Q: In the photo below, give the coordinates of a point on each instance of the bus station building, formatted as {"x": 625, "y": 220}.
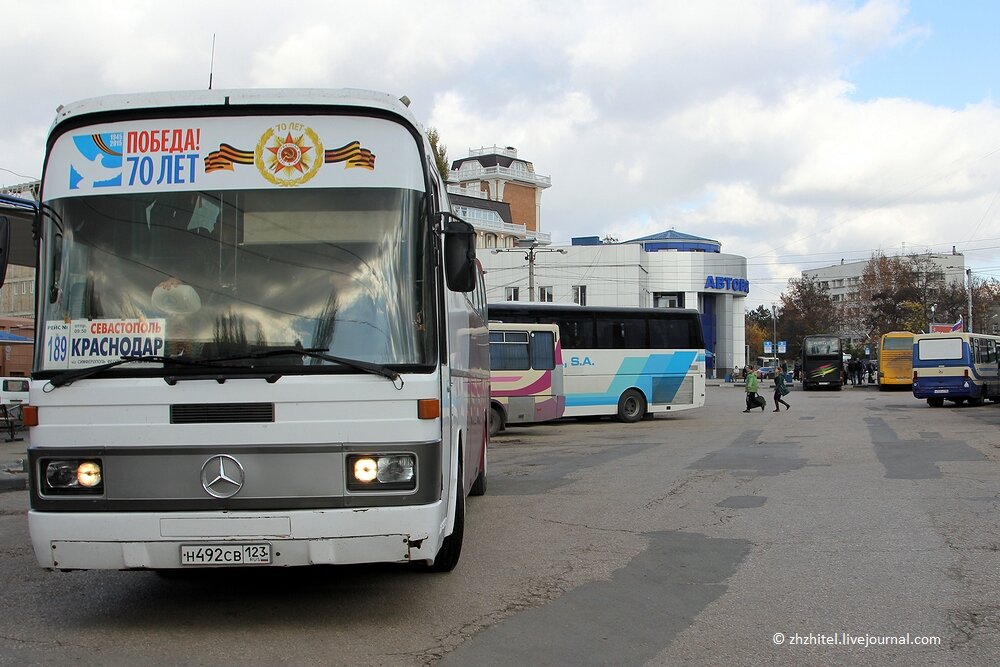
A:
{"x": 666, "y": 270}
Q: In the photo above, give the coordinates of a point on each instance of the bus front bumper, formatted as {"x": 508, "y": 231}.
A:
{"x": 71, "y": 541}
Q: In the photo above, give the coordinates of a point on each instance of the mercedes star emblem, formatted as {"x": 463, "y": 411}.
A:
{"x": 222, "y": 476}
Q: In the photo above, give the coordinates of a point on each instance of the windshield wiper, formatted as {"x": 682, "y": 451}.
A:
{"x": 315, "y": 353}
{"x": 69, "y": 377}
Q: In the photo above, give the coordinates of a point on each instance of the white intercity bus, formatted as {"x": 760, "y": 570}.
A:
{"x": 630, "y": 363}
{"x": 261, "y": 336}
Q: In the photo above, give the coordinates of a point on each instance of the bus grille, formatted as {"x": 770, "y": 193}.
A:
{"x": 221, "y": 413}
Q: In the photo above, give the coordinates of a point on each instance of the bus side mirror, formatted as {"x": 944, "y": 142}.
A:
{"x": 460, "y": 268}
{"x": 4, "y": 246}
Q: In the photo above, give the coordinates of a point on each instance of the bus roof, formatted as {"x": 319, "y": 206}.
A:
{"x": 319, "y": 97}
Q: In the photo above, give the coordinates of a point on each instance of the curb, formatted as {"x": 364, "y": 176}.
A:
{"x": 13, "y": 481}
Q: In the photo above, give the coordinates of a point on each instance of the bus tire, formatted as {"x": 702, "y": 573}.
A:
{"x": 451, "y": 548}
{"x": 935, "y": 402}
{"x": 631, "y": 406}
{"x": 496, "y": 420}
{"x": 479, "y": 486}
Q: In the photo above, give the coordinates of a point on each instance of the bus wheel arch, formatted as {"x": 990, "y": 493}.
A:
{"x": 451, "y": 547}
{"x": 631, "y": 406}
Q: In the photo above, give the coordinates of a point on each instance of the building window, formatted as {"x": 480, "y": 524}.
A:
{"x": 545, "y": 294}
{"x": 668, "y": 300}
{"x": 580, "y": 294}
{"x": 511, "y": 293}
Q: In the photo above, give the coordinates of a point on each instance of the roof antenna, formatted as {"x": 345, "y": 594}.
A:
{"x": 211, "y": 67}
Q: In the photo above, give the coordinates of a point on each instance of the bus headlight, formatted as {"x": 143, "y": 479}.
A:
{"x": 67, "y": 476}
{"x": 382, "y": 472}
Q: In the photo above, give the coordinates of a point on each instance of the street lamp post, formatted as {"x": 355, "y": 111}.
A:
{"x": 774, "y": 335}
{"x": 530, "y": 247}
{"x": 968, "y": 273}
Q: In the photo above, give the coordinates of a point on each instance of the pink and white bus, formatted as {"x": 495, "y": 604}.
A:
{"x": 526, "y": 374}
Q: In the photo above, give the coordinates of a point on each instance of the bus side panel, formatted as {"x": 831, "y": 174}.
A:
{"x": 596, "y": 379}
{"x": 469, "y": 390}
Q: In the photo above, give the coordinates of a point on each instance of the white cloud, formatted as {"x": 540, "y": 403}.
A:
{"x": 734, "y": 120}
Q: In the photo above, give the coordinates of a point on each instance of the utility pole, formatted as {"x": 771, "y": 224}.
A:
{"x": 529, "y": 247}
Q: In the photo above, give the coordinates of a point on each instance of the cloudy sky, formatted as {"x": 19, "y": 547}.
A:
{"x": 796, "y": 133}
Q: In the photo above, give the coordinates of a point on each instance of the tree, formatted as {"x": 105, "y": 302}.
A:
{"x": 887, "y": 287}
{"x": 761, "y": 317}
{"x": 905, "y": 294}
{"x": 806, "y": 308}
{"x": 755, "y": 336}
{"x": 985, "y": 304}
{"x": 440, "y": 153}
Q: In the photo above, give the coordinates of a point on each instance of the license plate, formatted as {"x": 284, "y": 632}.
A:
{"x": 226, "y": 554}
{"x": 940, "y": 391}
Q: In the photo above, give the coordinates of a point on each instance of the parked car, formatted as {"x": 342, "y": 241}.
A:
{"x": 765, "y": 372}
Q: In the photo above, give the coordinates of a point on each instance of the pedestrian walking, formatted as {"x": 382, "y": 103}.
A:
{"x": 780, "y": 390}
{"x": 752, "y": 387}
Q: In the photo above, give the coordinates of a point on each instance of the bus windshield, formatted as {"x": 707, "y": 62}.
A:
{"x": 817, "y": 346}
{"x": 213, "y": 274}
{"x": 900, "y": 342}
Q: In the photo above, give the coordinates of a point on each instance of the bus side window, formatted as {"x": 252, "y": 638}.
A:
{"x": 669, "y": 334}
{"x": 622, "y": 334}
{"x": 509, "y": 351}
{"x": 577, "y": 333}
{"x": 543, "y": 353}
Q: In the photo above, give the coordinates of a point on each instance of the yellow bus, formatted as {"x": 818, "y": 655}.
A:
{"x": 895, "y": 360}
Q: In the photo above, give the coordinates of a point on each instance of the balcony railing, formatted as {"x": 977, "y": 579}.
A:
{"x": 471, "y": 191}
{"x": 494, "y": 150}
{"x": 489, "y": 221}
{"x": 462, "y": 175}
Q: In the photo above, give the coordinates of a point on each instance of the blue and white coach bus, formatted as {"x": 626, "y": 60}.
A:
{"x": 625, "y": 362}
{"x": 957, "y": 367}
{"x": 261, "y": 336}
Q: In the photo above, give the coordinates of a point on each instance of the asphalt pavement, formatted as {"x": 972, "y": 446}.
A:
{"x": 14, "y": 457}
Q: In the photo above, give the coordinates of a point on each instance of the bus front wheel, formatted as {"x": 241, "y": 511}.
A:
{"x": 479, "y": 486}
{"x": 631, "y": 406}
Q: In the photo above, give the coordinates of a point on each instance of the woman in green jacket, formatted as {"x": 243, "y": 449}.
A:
{"x": 753, "y": 385}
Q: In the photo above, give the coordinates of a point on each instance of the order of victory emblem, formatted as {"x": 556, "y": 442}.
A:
{"x": 289, "y": 154}
{"x": 289, "y": 159}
